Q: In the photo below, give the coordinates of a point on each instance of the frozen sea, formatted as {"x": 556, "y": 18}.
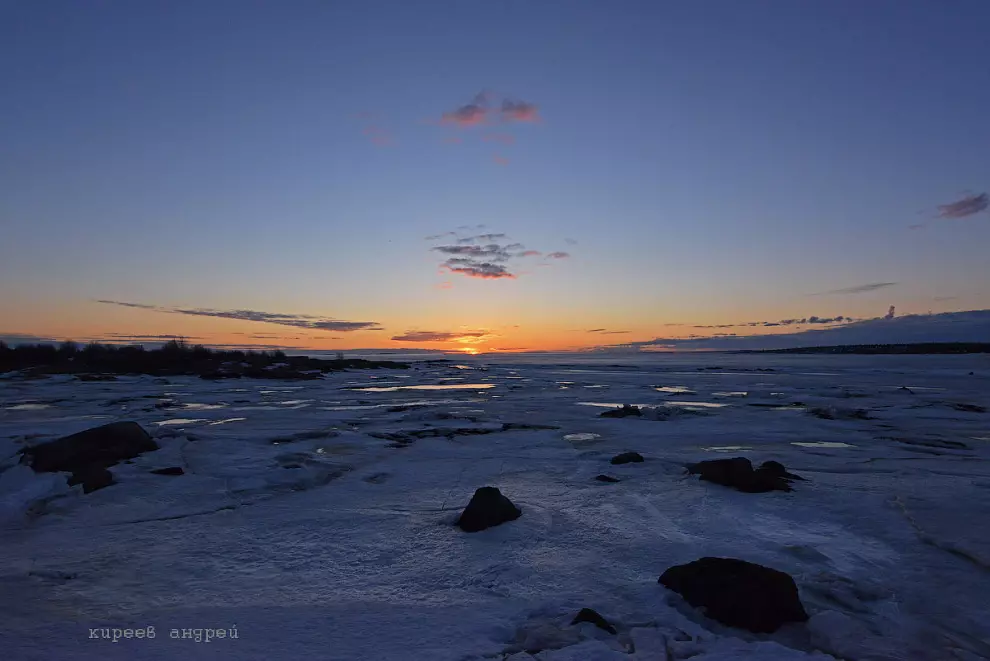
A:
{"x": 315, "y": 516}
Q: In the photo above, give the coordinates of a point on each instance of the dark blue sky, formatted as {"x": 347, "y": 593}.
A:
{"x": 709, "y": 161}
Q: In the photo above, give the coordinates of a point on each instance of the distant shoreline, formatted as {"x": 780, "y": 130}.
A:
{"x": 101, "y": 362}
{"x": 912, "y": 348}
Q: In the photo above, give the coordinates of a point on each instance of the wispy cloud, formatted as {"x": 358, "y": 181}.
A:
{"x": 439, "y": 336}
{"x": 129, "y": 305}
{"x": 483, "y": 270}
{"x": 481, "y": 237}
{"x": 967, "y": 206}
{"x": 486, "y": 256}
{"x": 605, "y": 331}
{"x": 154, "y": 338}
{"x": 294, "y": 320}
{"x": 570, "y": 242}
{"x": 857, "y": 289}
{"x": 813, "y": 319}
{"x": 498, "y": 159}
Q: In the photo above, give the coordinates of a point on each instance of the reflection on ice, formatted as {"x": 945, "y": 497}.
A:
{"x": 731, "y": 393}
{"x": 448, "y": 386}
{"x": 193, "y": 406}
{"x": 822, "y": 444}
{"x": 681, "y": 390}
{"x": 226, "y": 420}
{"x": 29, "y": 407}
{"x": 178, "y": 421}
{"x": 700, "y": 405}
{"x": 726, "y": 448}
{"x": 581, "y": 437}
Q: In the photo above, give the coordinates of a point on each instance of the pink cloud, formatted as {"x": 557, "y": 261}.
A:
{"x": 500, "y": 160}
{"x": 530, "y": 253}
{"x": 471, "y": 114}
{"x": 558, "y": 255}
{"x": 445, "y": 285}
{"x": 519, "y": 111}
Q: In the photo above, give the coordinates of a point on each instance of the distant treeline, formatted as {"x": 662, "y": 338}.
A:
{"x": 174, "y": 358}
{"x": 914, "y": 348}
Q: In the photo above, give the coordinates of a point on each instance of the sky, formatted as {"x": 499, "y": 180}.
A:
{"x": 474, "y": 176}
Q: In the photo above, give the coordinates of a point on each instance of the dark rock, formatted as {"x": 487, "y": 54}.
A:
{"x": 525, "y": 426}
{"x": 171, "y": 470}
{"x": 96, "y": 377}
{"x": 627, "y": 458}
{"x": 969, "y": 408}
{"x": 89, "y": 453}
{"x": 606, "y": 478}
{"x": 91, "y": 478}
{"x": 738, "y": 593}
{"x": 488, "y": 508}
{"x": 738, "y": 473}
{"x": 777, "y": 469}
{"x": 908, "y": 390}
{"x": 623, "y": 412}
{"x": 592, "y": 616}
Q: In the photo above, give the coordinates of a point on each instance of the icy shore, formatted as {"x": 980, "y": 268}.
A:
{"x": 316, "y": 517}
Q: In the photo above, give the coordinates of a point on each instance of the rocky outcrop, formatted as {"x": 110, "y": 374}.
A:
{"x": 488, "y": 508}
{"x": 606, "y": 478}
{"x": 738, "y": 473}
{"x": 625, "y": 411}
{"x": 89, "y": 453}
{"x": 738, "y": 593}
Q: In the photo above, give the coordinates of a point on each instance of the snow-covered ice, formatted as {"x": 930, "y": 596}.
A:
{"x": 316, "y": 516}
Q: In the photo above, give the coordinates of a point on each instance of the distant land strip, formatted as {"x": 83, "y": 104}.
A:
{"x": 913, "y": 348}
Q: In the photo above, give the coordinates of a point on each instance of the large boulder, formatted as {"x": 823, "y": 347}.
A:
{"x": 89, "y": 453}
{"x": 738, "y": 593}
{"x": 738, "y": 473}
{"x": 488, "y": 508}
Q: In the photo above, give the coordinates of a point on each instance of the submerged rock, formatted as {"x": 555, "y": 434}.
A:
{"x": 835, "y": 413}
{"x": 606, "y": 478}
{"x": 592, "y": 616}
{"x": 738, "y": 473}
{"x": 627, "y": 458}
{"x": 623, "y": 412}
{"x": 89, "y": 453}
{"x": 738, "y": 593}
{"x": 488, "y": 508}
{"x": 171, "y": 470}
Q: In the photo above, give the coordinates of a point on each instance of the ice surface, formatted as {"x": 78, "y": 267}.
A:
{"x": 317, "y": 517}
